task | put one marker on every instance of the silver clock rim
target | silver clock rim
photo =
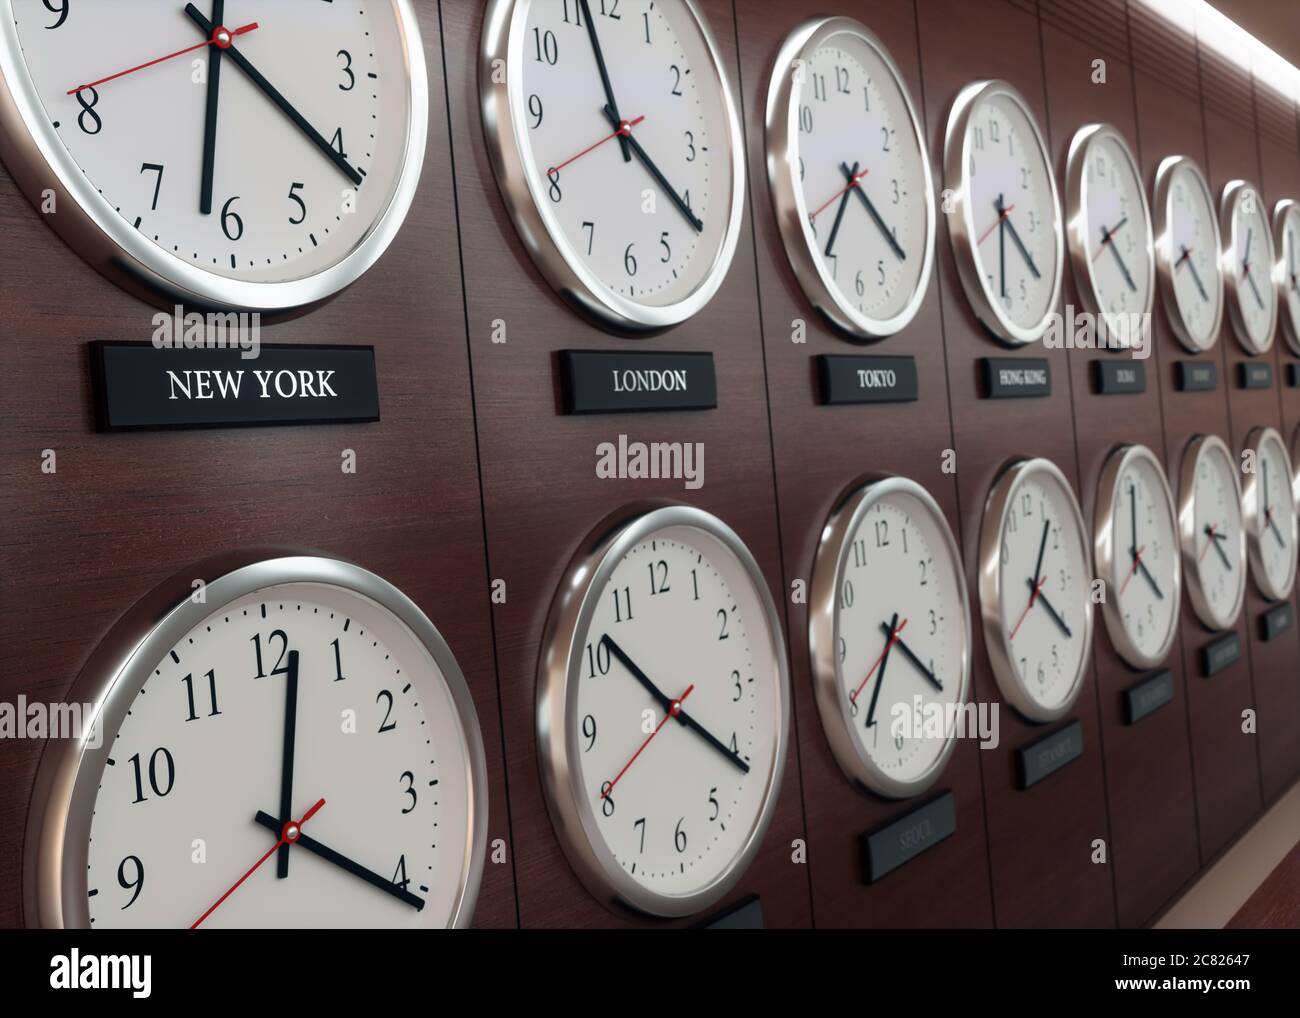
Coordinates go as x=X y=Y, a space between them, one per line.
x=787 y=199
x=58 y=830
x=107 y=242
x=997 y=642
x=1199 y=446
x=1077 y=221
x=502 y=40
x=1250 y=501
x=558 y=677
x=824 y=630
x=961 y=233
x=1290 y=327
x=1119 y=459
x=1232 y=193
x=1295 y=464
x=1164 y=251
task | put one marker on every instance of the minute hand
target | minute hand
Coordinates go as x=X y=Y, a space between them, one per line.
x=1024 y=251
x=660 y=179
x=287 y=108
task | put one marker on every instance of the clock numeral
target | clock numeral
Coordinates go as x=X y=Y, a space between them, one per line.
x=717 y=806
x=606 y=800
x=613 y=8
x=723 y=634
x=735 y=681
x=94 y=124
x=228 y=217
x=658 y=577
x=409 y=778
x=842 y=80
x=400 y=879
x=61 y=9
x=158 y=790
x=881 y=528
x=591 y=234
x=622 y=601
x=212 y=694
x=338 y=661
x=679 y=836
x=846 y=594
x=297 y=200
x=336 y=143
x=135 y=883
x=589 y=732
x=629 y=260
x=641 y=824
x=281 y=667
x=157 y=184
x=859 y=552
x=677 y=79
x=535 y=110
x=597 y=659
x=668 y=251
x=548 y=50
x=805 y=119
x=386 y=725
x=347 y=69
x=695 y=583
x=819 y=87
x=553 y=175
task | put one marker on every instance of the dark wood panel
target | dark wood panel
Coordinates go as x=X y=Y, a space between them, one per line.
x=819 y=451
x=126 y=511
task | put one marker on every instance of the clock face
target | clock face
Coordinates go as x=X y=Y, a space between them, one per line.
x=1188 y=253
x=1036 y=590
x=1213 y=536
x=664 y=724
x=1110 y=231
x=1008 y=234
x=851 y=179
x=159 y=154
x=890 y=635
x=1271 y=515
x=1137 y=555
x=1286 y=274
x=619 y=142
x=1248 y=261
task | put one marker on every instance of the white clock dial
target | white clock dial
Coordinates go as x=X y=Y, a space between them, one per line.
x=1137 y=554
x=1269 y=501
x=889 y=628
x=1286 y=273
x=1212 y=532
x=850 y=177
x=264 y=162
x=1007 y=228
x=302 y=755
x=1248 y=266
x=1187 y=250
x=1035 y=589
x=1110 y=231
x=663 y=713
x=617 y=146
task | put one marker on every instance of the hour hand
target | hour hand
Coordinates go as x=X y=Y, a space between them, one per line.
x=659 y=178
x=1056 y=616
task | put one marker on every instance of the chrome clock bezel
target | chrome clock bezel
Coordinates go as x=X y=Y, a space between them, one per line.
x=1233 y=193
x=88 y=223
x=1250 y=503
x=1165 y=260
x=1197 y=448
x=788 y=201
x=1290 y=327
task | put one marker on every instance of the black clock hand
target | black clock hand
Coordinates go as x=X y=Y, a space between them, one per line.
x=1255 y=290
x=660 y=179
x=666 y=703
x=286 y=766
x=343 y=863
x=1196 y=276
x=839 y=215
x=210 y=136
x=851 y=175
x=884 y=660
x=1002 y=245
x=1215 y=537
x=1123 y=268
x=1024 y=251
x=1042 y=548
x=1056 y=616
x=604 y=74
x=1133 y=515
x=1151 y=580
x=287 y=108
x=907 y=653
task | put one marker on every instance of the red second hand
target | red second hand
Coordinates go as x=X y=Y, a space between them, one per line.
x=624 y=130
x=1137 y=560
x=287 y=837
x=1032 y=598
x=1209 y=540
x=221 y=36
x=854 y=181
x=1005 y=212
x=674 y=709
x=893 y=639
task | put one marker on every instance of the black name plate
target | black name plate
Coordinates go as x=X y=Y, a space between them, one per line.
x=1048 y=755
x=748 y=915
x=1256 y=376
x=1220 y=654
x=1148 y=696
x=1276 y=621
x=1196 y=376
x=624 y=382
x=904 y=839
x=1293 y=375
x=1015 y=377
x=844 y=378
x=141 y=387
x=1119 y=378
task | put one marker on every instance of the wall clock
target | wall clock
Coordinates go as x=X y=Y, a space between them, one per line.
x=1212 y=532
x=1268 y=499
x=617 y=148
x=1035 y=589
x=1136 y=550
x=1109 y=228
x=146 y=144
x=301 y=750
x=888 y=624
x=850 y=178
x=1248 y=266
x=663 y=708
x=1286 y=271
x=1187 y=253
x=1006 y=223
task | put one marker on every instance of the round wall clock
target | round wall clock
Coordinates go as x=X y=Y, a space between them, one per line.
x=1270 y=509
x=1135 y=541
x=850 y=177
x=1006 y=222
x=616 y=144
x=1187 y=253
x=1212 y=532
x=300 y=750
x=1109 y=228
x=1248 y=266
x=225 y=155
x=663 y=709
x=1286 y=272
x=888 y=607
x=1035 y=589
